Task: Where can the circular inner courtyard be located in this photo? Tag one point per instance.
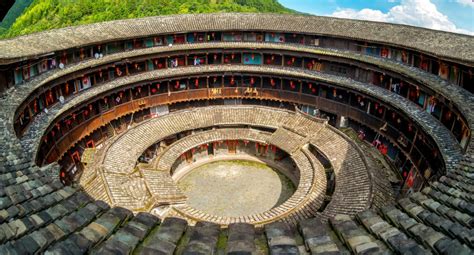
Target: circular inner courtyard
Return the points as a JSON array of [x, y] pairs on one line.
[[233, 188]]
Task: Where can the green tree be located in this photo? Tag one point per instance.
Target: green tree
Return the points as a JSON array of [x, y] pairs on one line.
[[48, 14]]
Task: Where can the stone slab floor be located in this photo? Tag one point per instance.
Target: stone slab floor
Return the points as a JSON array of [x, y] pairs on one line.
[[235, 188]]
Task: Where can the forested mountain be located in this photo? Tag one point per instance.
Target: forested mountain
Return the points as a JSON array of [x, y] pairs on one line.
[[48, 14]]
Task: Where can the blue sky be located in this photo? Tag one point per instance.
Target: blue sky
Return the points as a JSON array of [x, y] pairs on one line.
[[449, 15]]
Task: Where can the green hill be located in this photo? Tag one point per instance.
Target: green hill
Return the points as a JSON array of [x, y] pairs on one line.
[[48, 14]]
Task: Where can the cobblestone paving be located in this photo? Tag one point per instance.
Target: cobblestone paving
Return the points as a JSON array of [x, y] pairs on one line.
[[235, 188]]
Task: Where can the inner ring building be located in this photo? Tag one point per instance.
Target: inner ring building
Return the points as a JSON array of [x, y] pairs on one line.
[[237, 134]]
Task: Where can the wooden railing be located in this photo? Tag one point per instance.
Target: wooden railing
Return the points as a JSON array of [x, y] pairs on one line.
[[68, 140]]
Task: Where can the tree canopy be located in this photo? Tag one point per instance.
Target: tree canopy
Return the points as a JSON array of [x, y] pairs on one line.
[[48, 14]]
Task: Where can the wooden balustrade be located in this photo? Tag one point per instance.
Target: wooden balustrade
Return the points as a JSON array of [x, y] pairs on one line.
[[84, 129]]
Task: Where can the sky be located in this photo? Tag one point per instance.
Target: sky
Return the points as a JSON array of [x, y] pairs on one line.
[[447, 15]]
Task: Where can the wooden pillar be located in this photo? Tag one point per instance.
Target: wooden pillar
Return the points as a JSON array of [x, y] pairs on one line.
[[425, 103], [454, 122], [60, 91], [413, 142], [73, 56]]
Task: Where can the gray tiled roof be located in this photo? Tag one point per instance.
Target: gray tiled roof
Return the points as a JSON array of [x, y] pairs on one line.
[[437, 43]]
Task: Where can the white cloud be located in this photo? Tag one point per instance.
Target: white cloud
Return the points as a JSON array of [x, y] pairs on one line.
[[466, 2], [421, 13]]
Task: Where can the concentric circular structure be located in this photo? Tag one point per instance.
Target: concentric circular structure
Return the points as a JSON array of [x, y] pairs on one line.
[[117, 136]]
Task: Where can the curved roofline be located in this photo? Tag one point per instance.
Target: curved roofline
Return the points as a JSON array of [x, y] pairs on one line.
[[443, 139], [439, 43]]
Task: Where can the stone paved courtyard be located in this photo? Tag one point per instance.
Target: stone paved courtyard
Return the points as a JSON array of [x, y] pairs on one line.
[[235, 188]]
